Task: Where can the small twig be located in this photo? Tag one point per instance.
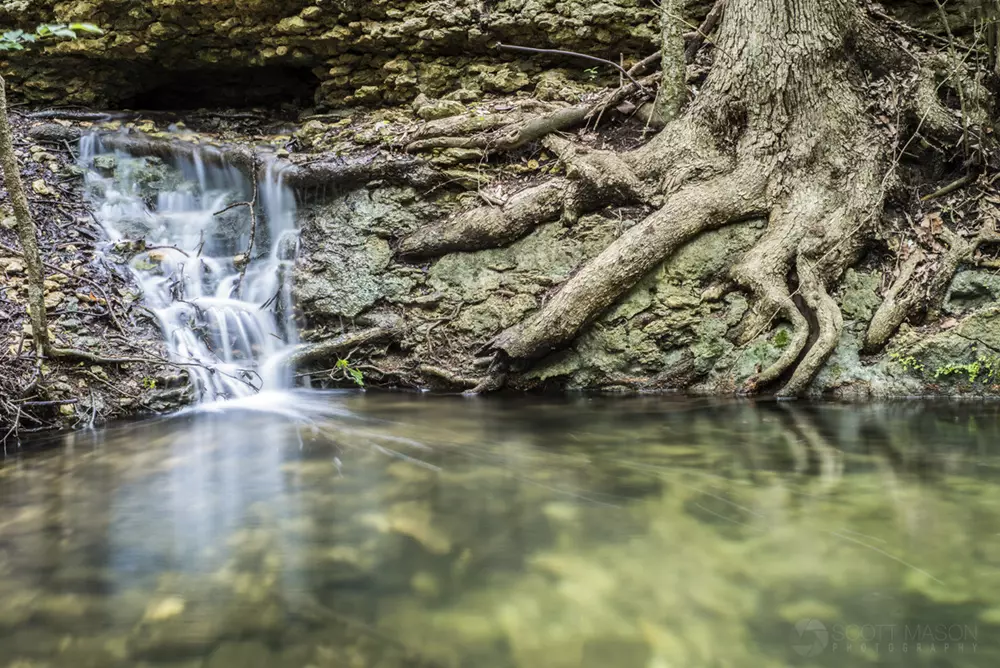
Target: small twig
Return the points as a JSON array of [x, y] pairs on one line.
[[561, 52], [950, 188], [252, 206]]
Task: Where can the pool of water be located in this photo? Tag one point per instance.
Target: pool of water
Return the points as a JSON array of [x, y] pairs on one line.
[[403, 530]]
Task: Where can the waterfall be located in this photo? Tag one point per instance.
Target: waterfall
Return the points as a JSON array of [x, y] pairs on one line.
[[178, 213]]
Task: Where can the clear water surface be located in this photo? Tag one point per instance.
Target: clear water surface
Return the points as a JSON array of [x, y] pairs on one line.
[[400, 530]]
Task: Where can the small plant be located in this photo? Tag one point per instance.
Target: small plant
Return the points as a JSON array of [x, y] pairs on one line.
[[344, 370], [149, 383], [15, 40], [908, 362], [781, 339], [983, 367], [972, 369]]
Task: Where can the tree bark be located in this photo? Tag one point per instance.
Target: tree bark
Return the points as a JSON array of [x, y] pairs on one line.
[[784, 128], [673, 86], [27, 233]]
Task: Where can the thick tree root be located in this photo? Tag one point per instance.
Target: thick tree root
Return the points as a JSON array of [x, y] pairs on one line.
[[512, 135], [490, 226], [830, 323], [312, 352], [912, 291], [692, 210], [593, 178]]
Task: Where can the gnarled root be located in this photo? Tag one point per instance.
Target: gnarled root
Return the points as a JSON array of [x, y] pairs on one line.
[[489, 226], [817, 232], [593, 177], [829, 323], [911, 289], [693, 209]]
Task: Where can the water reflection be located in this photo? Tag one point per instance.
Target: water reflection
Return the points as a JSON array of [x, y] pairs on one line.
[[396, 530]]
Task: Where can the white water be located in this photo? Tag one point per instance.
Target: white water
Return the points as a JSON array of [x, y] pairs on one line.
[[232, 340]]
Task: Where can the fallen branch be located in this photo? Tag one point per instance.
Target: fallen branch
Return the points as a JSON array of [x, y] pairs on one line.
[[252, 207]]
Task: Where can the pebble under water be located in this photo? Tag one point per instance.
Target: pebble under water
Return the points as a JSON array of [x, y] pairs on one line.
[[400, 530]]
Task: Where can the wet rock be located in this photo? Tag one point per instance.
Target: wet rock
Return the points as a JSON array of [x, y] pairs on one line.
[[241, 655], [347, 271], [971, 289], [106, 164], [164, 608], [95, 652], [426, 585], [411, 519]]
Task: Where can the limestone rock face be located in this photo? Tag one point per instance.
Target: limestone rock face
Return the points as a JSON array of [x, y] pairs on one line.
[[182, 54]]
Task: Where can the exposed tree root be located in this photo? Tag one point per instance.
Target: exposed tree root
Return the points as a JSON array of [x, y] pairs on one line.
[[510, 135], [692, 210], [913, 291], [341, 344], [490, 226], [781, 129], [450, 378]]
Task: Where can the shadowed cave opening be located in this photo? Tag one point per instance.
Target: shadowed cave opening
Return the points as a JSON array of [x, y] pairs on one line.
[[217, 88]]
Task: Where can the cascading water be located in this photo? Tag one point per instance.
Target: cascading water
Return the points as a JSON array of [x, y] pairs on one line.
[[178, 212]]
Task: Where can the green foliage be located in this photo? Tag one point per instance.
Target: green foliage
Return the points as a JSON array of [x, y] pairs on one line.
[[984, 367], [149, 383], [344, 369], [910, 363], [781, 339], [16, 40]]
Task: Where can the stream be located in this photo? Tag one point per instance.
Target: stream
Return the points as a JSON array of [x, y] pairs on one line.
[[267, 526], [408, 530]]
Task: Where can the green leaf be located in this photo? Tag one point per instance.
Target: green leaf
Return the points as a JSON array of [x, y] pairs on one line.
[[28, 37], [13, 35], [86, 27], [64, 32]]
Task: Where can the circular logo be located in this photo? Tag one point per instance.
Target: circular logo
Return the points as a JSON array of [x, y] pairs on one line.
[[812, 637]]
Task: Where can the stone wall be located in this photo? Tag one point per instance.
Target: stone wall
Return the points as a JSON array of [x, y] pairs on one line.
[[168, 53]]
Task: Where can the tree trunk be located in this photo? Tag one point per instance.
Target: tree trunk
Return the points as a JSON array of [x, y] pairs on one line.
[[673, 86], [26, 231], [783, 128]]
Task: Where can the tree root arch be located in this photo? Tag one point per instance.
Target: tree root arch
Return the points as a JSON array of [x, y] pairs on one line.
[[780, 129]]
